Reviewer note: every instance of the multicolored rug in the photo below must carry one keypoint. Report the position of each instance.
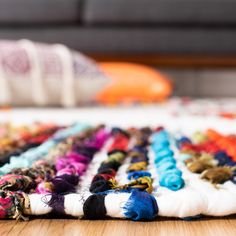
(136, 172)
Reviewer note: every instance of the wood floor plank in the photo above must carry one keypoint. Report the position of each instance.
(45, 227)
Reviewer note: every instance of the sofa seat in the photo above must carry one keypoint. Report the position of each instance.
(184, 12)
(15, 12)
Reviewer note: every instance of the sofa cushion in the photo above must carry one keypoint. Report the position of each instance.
(39, 11)
(160, 11)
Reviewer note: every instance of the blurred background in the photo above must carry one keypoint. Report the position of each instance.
(190, 41)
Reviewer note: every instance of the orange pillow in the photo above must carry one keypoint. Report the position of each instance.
(133, 83)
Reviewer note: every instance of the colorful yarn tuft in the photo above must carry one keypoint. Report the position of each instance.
(211, 156)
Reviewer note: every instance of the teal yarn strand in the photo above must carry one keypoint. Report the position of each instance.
(169, 175)
(172, 179)
(70, 131)
(28, 158)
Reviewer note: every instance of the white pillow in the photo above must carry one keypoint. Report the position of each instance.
(34, 74)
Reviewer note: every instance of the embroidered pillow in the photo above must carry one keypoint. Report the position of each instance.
(46, 75)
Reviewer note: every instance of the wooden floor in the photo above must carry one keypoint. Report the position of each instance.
(39, 227)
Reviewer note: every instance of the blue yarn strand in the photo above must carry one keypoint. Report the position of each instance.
(141, 206)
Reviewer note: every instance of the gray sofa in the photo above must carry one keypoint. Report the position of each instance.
(173, 27)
